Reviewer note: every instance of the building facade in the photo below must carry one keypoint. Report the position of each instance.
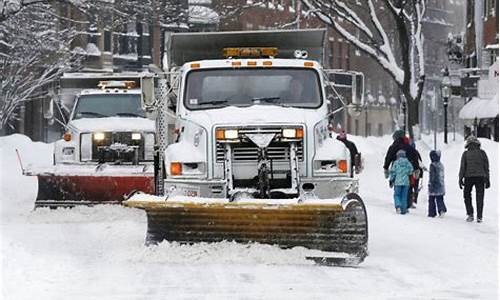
(480, 67)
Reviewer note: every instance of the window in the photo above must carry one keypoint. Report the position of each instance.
(107, 41)
(339, 55)
(492, 7)
(100, 106)
(208, 89)
(356, 127)
(380, 129)
(368, 129)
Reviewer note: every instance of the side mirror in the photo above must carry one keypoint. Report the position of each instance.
(148, 92)
(358, 89)
(358, 95)
(48, 109)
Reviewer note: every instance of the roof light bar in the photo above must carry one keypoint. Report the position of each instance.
(250, 52)
(113, 84)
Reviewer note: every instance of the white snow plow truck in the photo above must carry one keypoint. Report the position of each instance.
(106, 151)
(253, 160)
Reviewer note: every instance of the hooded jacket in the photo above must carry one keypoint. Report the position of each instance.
(400, 170)
(436, 175)
(474, 162)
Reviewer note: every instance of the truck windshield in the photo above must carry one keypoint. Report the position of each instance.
(109, 105)
(207, 89)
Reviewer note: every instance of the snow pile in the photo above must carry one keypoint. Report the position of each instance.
(202, 15)
(99, 252)
(480, 108)
(17, 191)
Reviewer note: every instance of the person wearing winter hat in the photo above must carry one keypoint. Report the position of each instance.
(399, 144)
(436, 185)
(474, 172)
(399, 180)
(353, 151)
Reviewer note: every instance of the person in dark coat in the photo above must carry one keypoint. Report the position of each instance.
(353, 151)
(436, 186)
(474, 172)
(415, 178)
(411, 153)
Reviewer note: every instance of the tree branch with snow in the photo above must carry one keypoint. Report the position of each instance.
(33, 54)
(366, 25)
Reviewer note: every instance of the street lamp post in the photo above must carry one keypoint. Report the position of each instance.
(403, 108)
(445, 93)
(434, 119)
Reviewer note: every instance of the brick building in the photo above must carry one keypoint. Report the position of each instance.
(480, 113)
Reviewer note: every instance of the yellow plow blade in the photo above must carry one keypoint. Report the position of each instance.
(325, 227)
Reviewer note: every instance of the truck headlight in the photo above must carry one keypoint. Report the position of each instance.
(342, 165)
(292, 133)
(226, 134)
(175, 168)
(330, 166)
(187, 169)
(99, 136)
(136, 136)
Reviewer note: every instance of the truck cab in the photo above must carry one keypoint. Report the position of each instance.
(255, 127)
(108, 125)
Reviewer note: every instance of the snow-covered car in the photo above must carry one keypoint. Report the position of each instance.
(106, 151)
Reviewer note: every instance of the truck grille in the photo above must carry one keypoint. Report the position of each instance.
(116, 137)
(247, 151)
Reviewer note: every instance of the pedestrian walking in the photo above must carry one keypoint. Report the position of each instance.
(353, 151)
(474, 172)
(415, 178)
(412, 155)
(436, 186)
(399, 180)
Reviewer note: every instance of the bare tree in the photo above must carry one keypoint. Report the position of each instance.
(36, 42)
(33, 53)
(360, 22)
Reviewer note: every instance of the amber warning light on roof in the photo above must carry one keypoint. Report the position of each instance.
(119, 84)
(250, 52)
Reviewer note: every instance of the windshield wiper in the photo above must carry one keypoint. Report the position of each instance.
(266, 99)
(271, 100)
(214, 102)
(92, 113)
(129, 114)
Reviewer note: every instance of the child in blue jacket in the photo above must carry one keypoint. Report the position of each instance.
(436, 185)
(399, 178)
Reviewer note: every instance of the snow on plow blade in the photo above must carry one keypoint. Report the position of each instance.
(340, 227)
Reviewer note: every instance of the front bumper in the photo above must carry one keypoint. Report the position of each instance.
(324, 188)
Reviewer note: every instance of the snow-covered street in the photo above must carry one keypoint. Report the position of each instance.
(99, 252)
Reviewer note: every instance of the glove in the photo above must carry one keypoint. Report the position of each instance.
(487, 183)
(386, 173)
(391, 183)
(461, 183)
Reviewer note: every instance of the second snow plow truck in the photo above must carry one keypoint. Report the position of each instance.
(107, 149)
(253, 160)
